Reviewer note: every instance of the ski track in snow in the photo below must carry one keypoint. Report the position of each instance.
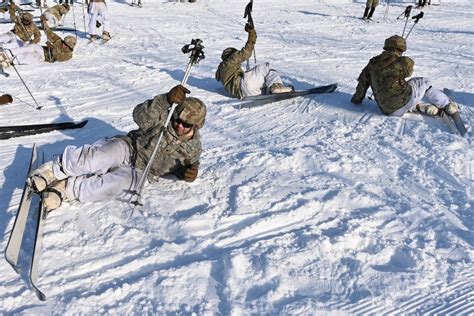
(303, 206)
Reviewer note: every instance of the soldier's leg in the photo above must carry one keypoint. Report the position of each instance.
(93, 14)
(253, 81)
(115, 184)
(104, 13)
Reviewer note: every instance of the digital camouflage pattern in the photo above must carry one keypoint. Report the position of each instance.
(56, 50)
(230, 71)
(386, 74)
(25, 31)
(192, 111)
(174, 153)
(58, 11)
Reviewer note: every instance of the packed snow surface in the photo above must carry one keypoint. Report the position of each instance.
(307, 206)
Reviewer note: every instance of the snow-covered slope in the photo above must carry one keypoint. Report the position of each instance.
(307, 206)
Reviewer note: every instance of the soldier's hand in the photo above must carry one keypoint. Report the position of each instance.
(177, 94)
(356, 100)
(13, 5)
(249, 28)
(190, 172)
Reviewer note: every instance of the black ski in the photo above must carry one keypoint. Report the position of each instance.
(7, 132)
(269, 98)
(16, 236)
(458, 121)
(37, 249)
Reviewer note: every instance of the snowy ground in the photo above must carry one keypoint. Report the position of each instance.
(307, 206)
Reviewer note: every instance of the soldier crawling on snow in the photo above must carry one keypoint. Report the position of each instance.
(386, 74)
(110, 168)
(259, 80)
(56, 49)
(24, 32)
(55, 15)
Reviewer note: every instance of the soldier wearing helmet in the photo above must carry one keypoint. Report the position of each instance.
(258, 80)
(24, 32)
(387, 75)
(110, 168)
(56, 49)
(56, 14)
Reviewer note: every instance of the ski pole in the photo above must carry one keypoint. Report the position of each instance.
(197, 54)
(84, 15)
(74, 18)
(385, 16)
(406, 15)
(417, 19)
(38, 107)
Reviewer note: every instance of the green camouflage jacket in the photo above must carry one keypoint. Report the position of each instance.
(58, 11)
(55, 50)
(174, 153)
(386, 74)
(230, 71)
(26, 33)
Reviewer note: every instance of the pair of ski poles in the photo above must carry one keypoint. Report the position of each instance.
(406, 15)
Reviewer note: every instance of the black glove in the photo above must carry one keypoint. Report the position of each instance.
(6, 98)
(177, 94)
(249, 28)
(189, 173)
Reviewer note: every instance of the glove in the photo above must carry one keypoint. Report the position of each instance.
(355, 100)
(177, 94)
(6, 98)
(190, 172)
(97, 24)
(249, 28)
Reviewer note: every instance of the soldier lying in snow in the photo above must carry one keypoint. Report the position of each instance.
(24, 32)
(55, 15)
(386, 74)
(56, 49)
(259, 80)
(111, 168)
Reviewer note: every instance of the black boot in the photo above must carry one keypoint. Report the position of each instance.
(371, 13)
(366, 12)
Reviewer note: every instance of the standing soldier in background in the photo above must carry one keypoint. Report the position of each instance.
(96, 9)
(24, 32)
(369, 9)
(395, 95)
(55, 15)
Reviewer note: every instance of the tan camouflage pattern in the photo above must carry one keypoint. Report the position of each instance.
(192, 111)
(24, 32)
(58, 11)
(55, 49)
(174, 153)
(386, 74)
(372, 3)
(230, 71)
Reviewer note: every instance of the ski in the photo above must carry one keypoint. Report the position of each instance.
(269, 98)
(7, 132)
(16, 236)
(38, 242)
(456, 118)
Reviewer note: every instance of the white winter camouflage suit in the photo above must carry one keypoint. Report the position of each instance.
(110, 168)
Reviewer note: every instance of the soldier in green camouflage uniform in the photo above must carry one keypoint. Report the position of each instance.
(56, 14)
(370, 8)
(386, 74)
(56, 49)
(111, 168)
(24, 32)
(258, 80)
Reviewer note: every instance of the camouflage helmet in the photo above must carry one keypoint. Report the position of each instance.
(394, 43)
(26, 17)
(70, 41)
(192, 111)
(66, 6)
(228, 52)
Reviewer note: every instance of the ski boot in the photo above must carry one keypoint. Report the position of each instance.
(451, 109)
(92, 38)
(428, 109)
(280, 88)
(40, 178)
(106, 36)
(54, 195)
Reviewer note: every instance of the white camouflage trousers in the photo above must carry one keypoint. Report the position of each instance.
(257, 80)
(97, 9)
(31, 54)
(52, 19)
(97, 172)
(9, 40)
(422, 88)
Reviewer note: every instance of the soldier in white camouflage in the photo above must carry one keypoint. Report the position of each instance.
(386, 74)
(261, 79)
(55, 15)
(24, 32)
(112, 167)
